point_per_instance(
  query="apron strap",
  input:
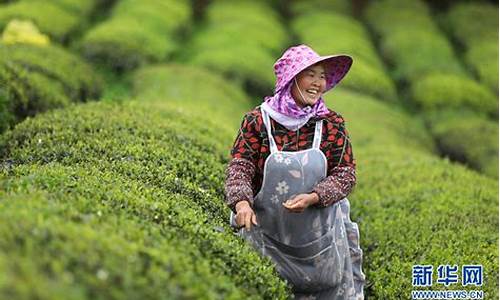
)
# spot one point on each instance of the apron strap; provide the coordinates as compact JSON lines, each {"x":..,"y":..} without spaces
{"x":317,"y":134}
{"x":267,"y":123}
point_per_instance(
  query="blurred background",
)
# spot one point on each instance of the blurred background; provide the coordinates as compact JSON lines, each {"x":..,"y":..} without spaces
{"x":117,"y":118}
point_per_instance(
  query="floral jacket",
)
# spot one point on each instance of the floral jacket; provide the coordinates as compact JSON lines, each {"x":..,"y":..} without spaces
{"x":244,"y":172}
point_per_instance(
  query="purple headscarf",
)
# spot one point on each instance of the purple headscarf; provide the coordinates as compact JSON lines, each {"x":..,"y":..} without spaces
{"x":281,"y":106}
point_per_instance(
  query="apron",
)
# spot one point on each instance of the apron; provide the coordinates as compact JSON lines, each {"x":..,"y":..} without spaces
{"x":316,"y":251}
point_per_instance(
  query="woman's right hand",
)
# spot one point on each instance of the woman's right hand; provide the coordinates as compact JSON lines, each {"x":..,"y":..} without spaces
{"x":245,"y":215}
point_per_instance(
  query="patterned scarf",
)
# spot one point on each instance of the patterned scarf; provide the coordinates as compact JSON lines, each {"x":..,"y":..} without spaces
{"x":284,"y":110}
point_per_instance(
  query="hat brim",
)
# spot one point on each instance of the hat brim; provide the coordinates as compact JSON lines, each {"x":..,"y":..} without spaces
{"x":336,"y":67}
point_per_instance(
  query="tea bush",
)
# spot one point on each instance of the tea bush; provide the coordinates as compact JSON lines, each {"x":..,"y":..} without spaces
{"x":192,"y":89}
{"x":243,"y":65}
{"x":249,"y":14}
{"x":137,"y":33}
{"x":78,"y":78}
{"x":413,"y":207}
{"x":443,"y":91}
{"x":433,"y":76}
{"x":384,"y":16}
{"x":297,"y":7}
{"x":27,"y":93}
{"x":398,"y":127}
{"x":479,"y":39}
{"x":329,"y":32}
{"x":77,"y":7}
{"x":335,"y":32}
{"x":92,"y":251}
{"x":23,"y":32}
{"x":139,"y":174}
{"x":57,"y":18}
{"x":467,"y":137}
{"x":246,"y":59}
{"x":394,"y":22}
{"x":483,"y":59}
{"x":461,"y":21}
{"x":435,"y":54}
{"x":36,"y":78}
{"x":43,"y":16}
{"x":158,"y":161}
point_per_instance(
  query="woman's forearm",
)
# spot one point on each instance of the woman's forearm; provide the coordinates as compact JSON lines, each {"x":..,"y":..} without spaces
{"x":238,"y":184}
{"x":335,"y":187}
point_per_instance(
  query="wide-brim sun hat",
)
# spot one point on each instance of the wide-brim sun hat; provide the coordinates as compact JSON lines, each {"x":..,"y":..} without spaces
{"x":297,"y":58}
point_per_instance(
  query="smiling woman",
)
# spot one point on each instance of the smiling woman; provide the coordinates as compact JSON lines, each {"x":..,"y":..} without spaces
{"x":312,"y":83}
{"x":292,"y":168}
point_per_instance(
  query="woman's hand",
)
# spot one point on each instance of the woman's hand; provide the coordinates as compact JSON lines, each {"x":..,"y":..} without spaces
{"x":300,"y":202}
{"x":245,"y":215}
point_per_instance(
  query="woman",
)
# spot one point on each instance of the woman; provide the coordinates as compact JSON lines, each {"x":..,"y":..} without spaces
{"x":292,"y":167}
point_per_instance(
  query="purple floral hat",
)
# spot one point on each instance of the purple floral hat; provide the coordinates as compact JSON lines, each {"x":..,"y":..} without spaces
{"x":296,"y":59}
{"x":281,"y":106}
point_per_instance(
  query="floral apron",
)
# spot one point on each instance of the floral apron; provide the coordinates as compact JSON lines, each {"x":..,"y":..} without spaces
{"x":316,"y":251}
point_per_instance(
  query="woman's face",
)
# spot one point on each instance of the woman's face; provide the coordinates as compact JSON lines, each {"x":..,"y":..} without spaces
{"x":309,"y":85}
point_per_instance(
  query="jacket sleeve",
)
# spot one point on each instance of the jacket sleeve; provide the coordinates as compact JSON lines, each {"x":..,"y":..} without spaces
{"x":341,"y":175}
{"x":241,"y":168}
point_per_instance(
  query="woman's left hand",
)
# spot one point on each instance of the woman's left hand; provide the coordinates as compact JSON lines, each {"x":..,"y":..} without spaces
{"x":300,"y":202}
